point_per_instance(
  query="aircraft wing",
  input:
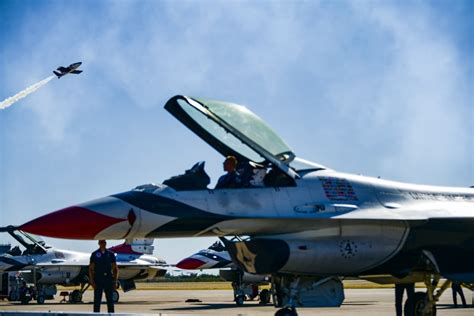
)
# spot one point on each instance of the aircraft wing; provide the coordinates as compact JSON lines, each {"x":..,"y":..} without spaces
{"x":121,"y":265}
{"x":17,"y":263}
{"x":76,"y":71}
{"x":138,"y":265}
{"x":152,"y":270}
{"x":134,"y":268}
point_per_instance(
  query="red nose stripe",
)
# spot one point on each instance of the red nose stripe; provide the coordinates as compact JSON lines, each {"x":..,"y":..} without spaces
{"x":190,"y":264}
{"x":72,"y":222}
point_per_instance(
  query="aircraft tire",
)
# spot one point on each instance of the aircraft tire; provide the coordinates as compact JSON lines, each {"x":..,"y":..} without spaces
{"x":115,"y":296}
{"x":240,"y":299}
{"x":76,"y":296}
{"x":414,"y":306}
{"x":264,"y":297}
{"x":40,"y":299}
{"x":287,"y":311}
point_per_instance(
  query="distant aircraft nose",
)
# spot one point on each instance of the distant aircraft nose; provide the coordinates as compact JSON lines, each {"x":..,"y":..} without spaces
{"x":106,"y":218}
{"x":190,"y":264}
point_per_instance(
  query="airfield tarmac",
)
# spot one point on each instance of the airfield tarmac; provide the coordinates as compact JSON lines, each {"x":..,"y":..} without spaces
{"x":219,"y":302}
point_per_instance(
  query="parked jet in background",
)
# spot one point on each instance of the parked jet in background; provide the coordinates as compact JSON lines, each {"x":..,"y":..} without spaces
{"x":305,"y":222}
{"x":214,"y":257}
{"x":245,"y":285}
{"x":46,"y":267}
{"x":71,"y":69}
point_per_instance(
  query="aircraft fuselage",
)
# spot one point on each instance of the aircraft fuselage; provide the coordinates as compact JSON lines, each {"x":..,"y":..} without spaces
{"x":329,"y":223}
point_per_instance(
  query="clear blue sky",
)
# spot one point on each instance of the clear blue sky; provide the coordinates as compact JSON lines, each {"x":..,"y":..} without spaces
{"x":378,"y":88}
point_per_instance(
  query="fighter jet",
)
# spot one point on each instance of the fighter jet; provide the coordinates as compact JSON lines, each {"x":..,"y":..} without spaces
{"x":71,"y":69}
{"x":46,"y":266}
{"x":214,"y":257}
{"x":304,"y":223}
{"x":245,"y":285}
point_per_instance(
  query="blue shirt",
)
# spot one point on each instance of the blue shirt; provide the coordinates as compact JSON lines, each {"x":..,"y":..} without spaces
{"x":229,"y":180}
{"x":102,"y":264}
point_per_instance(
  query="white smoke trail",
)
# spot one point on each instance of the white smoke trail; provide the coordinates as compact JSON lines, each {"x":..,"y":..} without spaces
{"x":9,"y":101}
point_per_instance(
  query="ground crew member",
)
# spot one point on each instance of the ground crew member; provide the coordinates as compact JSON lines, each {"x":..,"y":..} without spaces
{"x":103,"y":276}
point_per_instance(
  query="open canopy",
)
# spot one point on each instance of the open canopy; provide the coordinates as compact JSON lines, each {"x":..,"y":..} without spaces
{"x":232,"y":129}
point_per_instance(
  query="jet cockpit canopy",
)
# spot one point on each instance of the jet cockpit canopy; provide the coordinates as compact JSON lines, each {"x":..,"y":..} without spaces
{"x":233,"y":130}
{"x":33,"y":244}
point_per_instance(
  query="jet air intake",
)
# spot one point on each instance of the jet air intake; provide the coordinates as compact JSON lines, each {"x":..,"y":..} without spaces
{"x":259,"y":256}
{"x":351,"y":253}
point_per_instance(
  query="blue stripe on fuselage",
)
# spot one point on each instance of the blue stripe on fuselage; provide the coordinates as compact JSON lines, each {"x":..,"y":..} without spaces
{"x":164,"y":206}
{"x":189,"y":220}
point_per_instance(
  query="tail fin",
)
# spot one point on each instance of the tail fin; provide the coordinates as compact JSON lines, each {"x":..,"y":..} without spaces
{"x":135,"y":246}
{"x":57,"y":74}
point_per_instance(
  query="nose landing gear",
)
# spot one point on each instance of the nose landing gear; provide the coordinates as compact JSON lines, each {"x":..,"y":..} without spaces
{"x":424,"y":304}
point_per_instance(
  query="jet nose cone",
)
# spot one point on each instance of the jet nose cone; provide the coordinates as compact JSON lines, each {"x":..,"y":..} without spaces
{"x":190,"y":264}
{"x":72,"y":223}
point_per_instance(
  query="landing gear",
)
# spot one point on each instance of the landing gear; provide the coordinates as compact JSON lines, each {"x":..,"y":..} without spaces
{"x":287,"y":290}
{"x":245,"y":290}
{"x":290,"y":291}
{"x":239,"y":299}
{"x":75,"y":296}
{"x":237,"y":286}
{"x":418,"y":305}
{"x":40,"y":299}
{"x":277,"y":293}
{"x":264,"y":297}
{"x":424,"y":304}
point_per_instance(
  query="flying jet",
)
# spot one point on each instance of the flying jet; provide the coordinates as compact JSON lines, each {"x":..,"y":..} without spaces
{"x":46,"y":266}
{"x":304,"y":223}
{"x":71,"y":69}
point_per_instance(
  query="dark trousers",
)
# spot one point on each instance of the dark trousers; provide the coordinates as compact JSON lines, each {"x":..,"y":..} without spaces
{"x":106,"y":286}
{"x":399,"y":288}
{"x":456,"y":287}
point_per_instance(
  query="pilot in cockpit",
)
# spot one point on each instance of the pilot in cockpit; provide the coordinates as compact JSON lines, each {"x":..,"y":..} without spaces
{"x":232,"y":178}
{"x":251,"y":174}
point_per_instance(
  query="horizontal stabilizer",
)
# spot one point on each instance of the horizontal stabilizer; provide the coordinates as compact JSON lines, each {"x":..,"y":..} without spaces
{"x":135,"y":246}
